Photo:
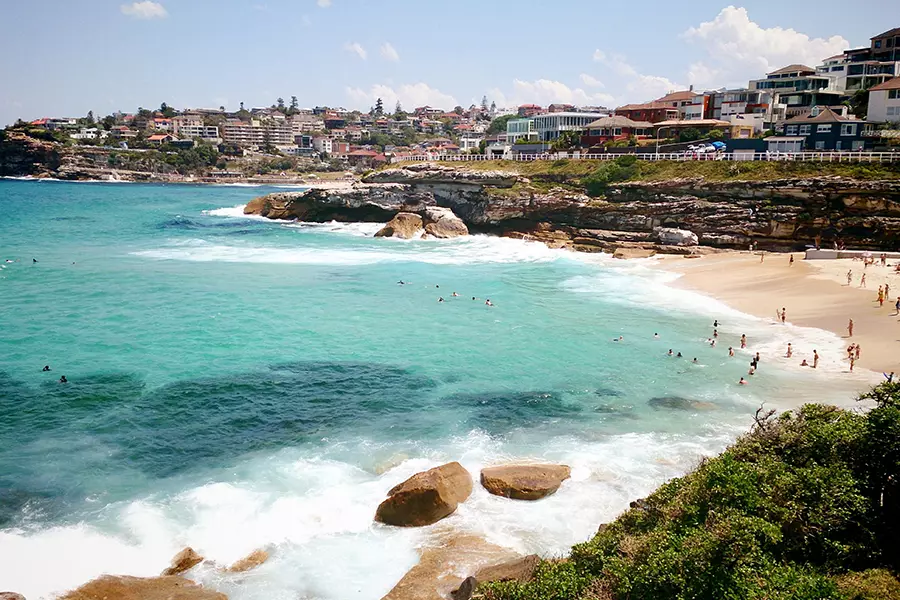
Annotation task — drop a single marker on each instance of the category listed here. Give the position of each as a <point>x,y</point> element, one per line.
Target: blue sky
<point>65,57</point>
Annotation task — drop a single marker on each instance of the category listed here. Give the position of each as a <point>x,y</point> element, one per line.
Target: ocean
<point>237,383</point>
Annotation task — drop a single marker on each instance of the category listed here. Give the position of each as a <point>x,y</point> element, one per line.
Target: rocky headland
<point>673,216</point>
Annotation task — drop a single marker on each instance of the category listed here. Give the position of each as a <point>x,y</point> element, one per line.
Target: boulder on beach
<point>251,561</point>
<point>524,482</point>
<point>675,237</point>
<point>404,225</point>
<point>442,223</point>
<point>183,561</point>
<point>634,253</point>
<point>520,569</point>
<point>110,587</point>
<point>11,596</point>
<point>426,497</point>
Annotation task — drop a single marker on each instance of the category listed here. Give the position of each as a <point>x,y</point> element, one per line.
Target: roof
<point>826,115</point>
<point>888,33</point>
<point>158,136</point>
<point>890,84</point>
<point>785,138</point>
<point>656,104</point>
<point>677,96</point>
<point>791,69</point>
<point>619,121</point>
<point>693,123</point>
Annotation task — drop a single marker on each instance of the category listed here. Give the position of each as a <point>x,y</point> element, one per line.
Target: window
<point>893,111</point>
<point>893,94</point>
<point>837,68</point>
<point>618,131</point>
<point>805,129</point>
<point>823,129</point>
<point>837,145</point>
<point>878,43</point>
<point>820,145</point>
<point>791,130</point>
<point>848,129</point>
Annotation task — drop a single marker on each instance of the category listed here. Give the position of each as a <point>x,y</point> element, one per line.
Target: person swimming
<point>730,351</point>
<point>440,299</point>
<point>46,368</point>
<point>678,355</point>
<point>488,302</point>
<point>695,361</point>
<point>63,379</point>
<point>712,344</point>
<point>751,371</point>
<point>401,282</point>
<point>670,352</point>
<point>656,335</point>
<point>455,295</point>
<point>716,324</point>
<point>742,381</point>
<point>474,298</point>
<point>804,363</point>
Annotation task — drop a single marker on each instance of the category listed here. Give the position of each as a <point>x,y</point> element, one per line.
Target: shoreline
<point>810,292</point>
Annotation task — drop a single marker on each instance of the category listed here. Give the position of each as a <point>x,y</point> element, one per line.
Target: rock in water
<point>183,561</point>
<point>520,569</point>
<point>426,497</point>
<point>524,482</point>
<point>251,561</point>
<point>111,587</point>
<point>403,225</point>
<point>442,223</point>
<point>675,237</point>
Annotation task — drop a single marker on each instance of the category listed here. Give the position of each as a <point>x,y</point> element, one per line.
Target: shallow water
<point>237,383</point>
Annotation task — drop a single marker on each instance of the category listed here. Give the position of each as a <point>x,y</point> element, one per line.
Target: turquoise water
<point>237,383</point>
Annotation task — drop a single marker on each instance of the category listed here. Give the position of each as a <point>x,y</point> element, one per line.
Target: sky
<point>66,57</point>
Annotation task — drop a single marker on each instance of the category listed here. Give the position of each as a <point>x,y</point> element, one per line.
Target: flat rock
<point>109,587</point>
<point>519,569</point>
<point>183,561</point>
<point>440,569</point>
<point>251,561</point>
<point>524,482</point>
<point>426,497</point>
<point>404,225</point>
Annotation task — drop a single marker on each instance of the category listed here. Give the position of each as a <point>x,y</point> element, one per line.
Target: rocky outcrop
<point>111,587</point>
<point>426,497</point>
<point>520,569</point>
<point>251,561</point>
<point>404,225</point>
<point>524,482</point>
<point>441,567</point>
<point>23,155</point>
<point>670,217</point>
<point>183,561</point>
<point>11,596</point>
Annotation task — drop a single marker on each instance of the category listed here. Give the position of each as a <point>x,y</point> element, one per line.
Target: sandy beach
<point>814,294</point>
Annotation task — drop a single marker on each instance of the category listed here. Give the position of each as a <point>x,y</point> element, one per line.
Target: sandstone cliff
<point>776,215</point>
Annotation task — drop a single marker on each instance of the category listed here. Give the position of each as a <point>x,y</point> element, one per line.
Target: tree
<point>379,107</point>
<point>90,117</point>
<point>689,135</point>
<point>493,107</point>
<point>242,106</point>
<point>397,108</point>
<point>859,103</point>
<point>498,125</point>
<point>295,105</point>
<point>567,140</point>
<point>484,104</point>
<point>166,110</point>
<point>280,104</point>
<point>716,134</point>
<point>458,110</point>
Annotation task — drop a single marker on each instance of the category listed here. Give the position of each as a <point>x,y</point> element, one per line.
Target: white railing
<point>879,157</point>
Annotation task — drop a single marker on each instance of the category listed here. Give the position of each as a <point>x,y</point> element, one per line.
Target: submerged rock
<point>524,482</point>
<point>183,561</point>
<point>404,225</point>
<point>426,497</point>
<point>109,587</point>
<point>251,561</point>
<point>679,403</point>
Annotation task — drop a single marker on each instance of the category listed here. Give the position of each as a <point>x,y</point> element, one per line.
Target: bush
<point>804,507</point>
<point>623,168</point>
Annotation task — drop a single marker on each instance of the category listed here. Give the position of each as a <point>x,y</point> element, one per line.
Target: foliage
<point>498,125</point>
<point>859,103</point>
<point>621,168</point>
<point>567,140</point>
<point>804,507</point>
<point>715,134</point>
<point>689,135</point>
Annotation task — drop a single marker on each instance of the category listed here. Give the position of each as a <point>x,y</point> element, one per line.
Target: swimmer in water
<point>488,302</point>
<point>804,363</point>
<point>751,371</point>
<point>46,368</point>
<point>671,354</point>
<point>656,335</point>
<point>63,379</point>
<point>715,333</point>
<point>742,381</point>
<point>743,340</point>
<point>678,355</point>
<point>716,324</point>
<point>712,344</point>
<point>695,361</point>
<point>790,351</point>
<point>401,282</point>
<point>440,299</point>
<point>455,295</point>
<point>730,351</point>
<point>474,298</point>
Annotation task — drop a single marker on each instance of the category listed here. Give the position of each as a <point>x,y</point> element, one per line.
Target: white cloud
<point>145,10</point>
<point>547,91</point>
<point>631,84</point>
<point>738,49</point>
<point>357,49</point>
<point>590,81</point>
<point>388,52</point>
<point>323,3</point>
<point>410,95</point>
<point>599,55</point>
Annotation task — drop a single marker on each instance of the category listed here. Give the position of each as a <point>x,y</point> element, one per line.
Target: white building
<point>209,133</point>
<point>256,133</point>
<point>548,127</point>
<point>88,133</point>
<point>182,121</point>
<point>323,145</point>
<point>517,129</point>
<point>884,102</point>
<point>470,141</point>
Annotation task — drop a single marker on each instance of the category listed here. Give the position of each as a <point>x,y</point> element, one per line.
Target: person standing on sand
<point>897,306</point>
<point>880,295</point>
<point>815,359</point>
<point>862,281</point>
<point>887,291</point>
<point>783,315</point>
<point>762,256</point>
<point>849,276</point>
<point>791,261</point>
<point>856,352</point>
<point>852,362</point>
<point>850,328</point>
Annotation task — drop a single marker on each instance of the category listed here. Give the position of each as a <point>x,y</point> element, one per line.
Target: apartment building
<point>549,126</point>
<point>255,133</point>
<point>795,89</point>
<point>884,102</point>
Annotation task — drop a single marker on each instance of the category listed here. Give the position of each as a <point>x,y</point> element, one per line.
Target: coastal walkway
<point>844,157</point>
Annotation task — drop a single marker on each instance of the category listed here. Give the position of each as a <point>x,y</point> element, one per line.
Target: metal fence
<point>855,157</point>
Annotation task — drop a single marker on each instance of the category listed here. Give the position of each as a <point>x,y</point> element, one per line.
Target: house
<point>690,104</point>
<point>859,69</point>
<point>551,125</point>
<point>886,46</point>
<point>520,129</point>
<point>614,128</point>
<point>158,139</point>
<point>555,108</point>
<point>704,126</point>
<point>365,158</point>
<point>122,132</point>
<point>722,104</point>
<point>322,144</point>
<point>470,141</point>
<point>162,124</point>
<point>884,102</point>
<point>824,129</point>
<point>88,133</point>
<point>796,89</point>
<point>653,112</point>
<point>529,110</point>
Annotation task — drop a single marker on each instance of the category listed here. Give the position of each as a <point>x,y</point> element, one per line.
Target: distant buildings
<point>884,102</point>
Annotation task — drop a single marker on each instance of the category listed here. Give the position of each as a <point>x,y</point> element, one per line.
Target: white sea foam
<point>230,211</point>
<point>315,513</point>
